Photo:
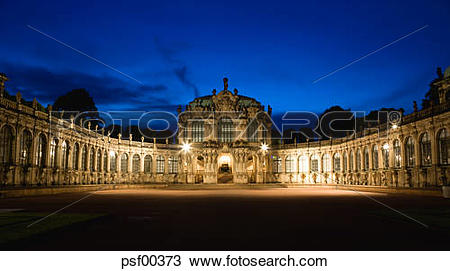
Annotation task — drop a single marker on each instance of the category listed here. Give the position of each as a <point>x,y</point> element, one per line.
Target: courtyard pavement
<point>234,219</point>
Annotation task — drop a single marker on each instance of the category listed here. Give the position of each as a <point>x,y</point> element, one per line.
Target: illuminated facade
<point>222,138</point>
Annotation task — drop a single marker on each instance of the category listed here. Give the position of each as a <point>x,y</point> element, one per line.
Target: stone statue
<point>225,83</point>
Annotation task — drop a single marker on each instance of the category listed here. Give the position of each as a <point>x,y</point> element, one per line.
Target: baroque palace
<point>222,138</point>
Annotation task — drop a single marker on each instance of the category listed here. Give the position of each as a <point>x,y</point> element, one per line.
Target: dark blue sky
<point>272,51</point>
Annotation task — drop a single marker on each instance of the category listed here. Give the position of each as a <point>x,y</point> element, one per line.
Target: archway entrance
<point>225,169</point>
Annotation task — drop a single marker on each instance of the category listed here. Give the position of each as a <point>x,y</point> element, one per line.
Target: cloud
<point>46,85</point>
<point>181,74</point>
<point>169,53</point>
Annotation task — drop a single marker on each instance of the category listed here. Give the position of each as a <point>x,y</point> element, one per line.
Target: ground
<point>226,219</point>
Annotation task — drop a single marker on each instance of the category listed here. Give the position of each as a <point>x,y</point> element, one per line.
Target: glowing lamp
<point>264,147</point>
<point>186,147</point>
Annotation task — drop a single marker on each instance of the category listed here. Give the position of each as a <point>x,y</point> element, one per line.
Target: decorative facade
<point>222,138</point>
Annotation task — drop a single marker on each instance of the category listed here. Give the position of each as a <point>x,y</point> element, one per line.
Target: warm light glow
<point>264,147</point>
<point>225,159</point>
<point>394,126</point>
<point>186,147</point>
<point>386,146</point>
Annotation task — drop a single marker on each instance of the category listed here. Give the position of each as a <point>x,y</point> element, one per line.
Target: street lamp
<point>264,147</point>
<point>186,147</point>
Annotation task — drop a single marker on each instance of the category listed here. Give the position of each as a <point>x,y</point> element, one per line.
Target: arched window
<point>409,151</point>
<point>91,159</point>
<point>385,154</point>
<point>198,131</point>
<point>53,152</point>
<point>252,131</point>
<point>375,157</point>
<point>41,150</point>
<point>303,164</point>
<point>337,162</point>
<point>112,161</point>
<point>105,162</point>
<point>289,164</point>
<point>345,162</point>
<point>173,164</point>
<point>358,160</point>
<point>75,156</point>
<point>226,130</point>
<point>315,163</point>
<point>124,163</point>
<point>136,163</point>
<point>397,154</point>
<point>84,160</point>
<point>99,160</point>
<point>326,163</point>
<point>352,161</point>
<point>148,164</point>
<point>276,165</point>
<point>443,145</point>
<point>64,155</point>
<point>25,147</point>
<point>425,150</point>
<point>160,164</point>
<point>366,158</point>
<point>6,145</point>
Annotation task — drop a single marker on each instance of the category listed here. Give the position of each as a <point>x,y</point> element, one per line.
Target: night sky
<point>272,51</point>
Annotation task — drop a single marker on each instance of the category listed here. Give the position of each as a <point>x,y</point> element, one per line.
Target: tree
<point>79,104</point>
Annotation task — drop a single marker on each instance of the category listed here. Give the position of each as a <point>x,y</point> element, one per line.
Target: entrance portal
<point>225,174</point>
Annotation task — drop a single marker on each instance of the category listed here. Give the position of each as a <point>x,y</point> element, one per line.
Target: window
<point>186,133</point>
<point>148,164</point>
<point>225,130</point>
<point>64,155</point>
<point>6,145</point>
<point>303,164</point>
<point>326,163</point>
<point>375,157</point>
<point>136,163</point>
<point>385,154</point>
<point>160,164</point>
<point>276,167</point>
<point>105,162</point>
<point>91,159</point>
<point>112,161</point>
<point>198,131</point>
<point>173,164</point>
<point>345,162</point>
<point>366,158</point>
<point>75,156</point>
<point>252,131</point>
<point>443,146</point>
<point>289,164</point>
<point>358,160</point>
<point>25,148</point>
<point>84,160</point>
<point>99,160</point>
<point>53,152</point>
<point>425,150</point>
<point>397,154</point>
<point>124,163</point>
<point>315,163</point>
<point>337,162</point>
<point>409,151</point>
<point>352,161</point>
<point>40,152</point>
<point>264,133</point>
